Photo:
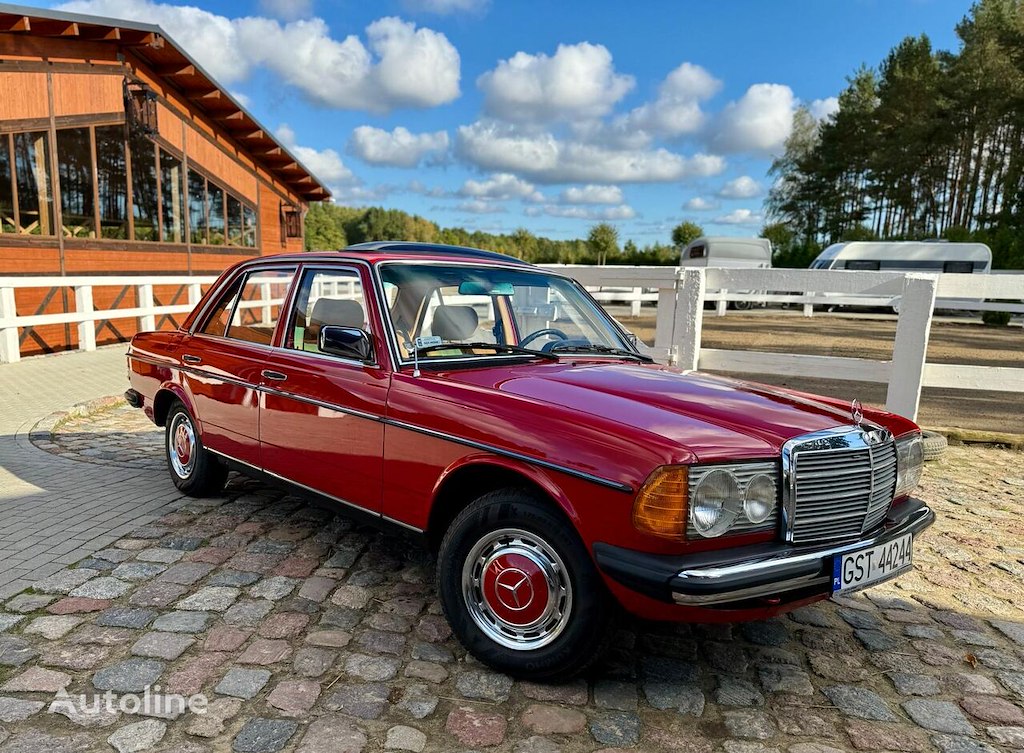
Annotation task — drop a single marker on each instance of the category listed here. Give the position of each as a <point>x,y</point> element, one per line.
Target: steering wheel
<point>541,333</point>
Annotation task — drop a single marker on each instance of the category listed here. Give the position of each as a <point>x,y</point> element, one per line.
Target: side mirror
<point>346,342</point>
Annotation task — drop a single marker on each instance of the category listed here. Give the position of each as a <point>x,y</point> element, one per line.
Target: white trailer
<point>725,251</point>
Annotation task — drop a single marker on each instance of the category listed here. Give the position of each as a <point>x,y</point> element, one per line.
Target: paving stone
<point>248,612</point>
<point>53,627</point>
<point>129,675</point>
<point>971,684</point>
<point>484,684</point>
<point>749,724</point>
<point>310,661</point>
<point>353,597</point>
<point>213,722</point>
<point>782,678</point>
<point>182,622</point>
<point>7,621</point>
<point>476,727</point>
<point>434,628</point>
<point>156,594</point>
<point>876,640</point>
<point>264,735</point>
<point>125,617</point>
<point>65,581</point>
<point>333,734</point>
<point>37,680</point>
<point>26,602</point>
<point>923,631</point>
<point>418,701</point>
<point>159,554</point>
<point>812,616</point>
<point>18,709</point>
<point>89,715</point>
<point>210,599</point>
<point>957,744</point>
<point>393,623</point>
<point>186,573</point>
<point>182,542</point>
<point>907,683</point>
<point>686,698</point>
<point>430,652</point>
<point>938,716</point>
<point>382,642</point>
<point>15,651</point>
<point>113,555</point>
<point>33,741</point>
<point>330,638</point>
<point>226,637</point>
<point>735,691</point>
<point>74,656</point>
<point>401,737</point>
<point>243,683</point>
<point>543,719</point>
<point>617,728</point>
<point>190,677</point>
<point>341,617</point>
<point>317,588</point>
<point>283,625</point>
<point>157,645</point>
<point>614,694</point>
<point>1012,680</point>
<point>294,697</point>
<point>297,567</point>
<point>274,588</point>
<point>78,605</point>
<point>233,578</point>
<point>372,668</point>
<point>1010,736</point>
<point>135,571</point>
<point>860,702</point>
<point>264,651</point>
<point>1012,630</point>
<point>766,632</point>
<point>536,744</point>
<point>363,700</point>
<point>874,736</point>
<point>138,736</point>
<point>425,670</point>
<point>993,710</point>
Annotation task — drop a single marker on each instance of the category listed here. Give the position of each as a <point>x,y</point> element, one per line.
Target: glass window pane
<point>112,180</point>
<point>173,198</point>
<point>144,204</point>
<point>259,305</point>
<point>215,213</point>
<point>249,238</point>
<point>234,221</point>
<point>35,200</point>
<point>326,298</point>
<point>197,207</point>
<point>217,321</point>
<point>6,187</point>
<point>74,170</point>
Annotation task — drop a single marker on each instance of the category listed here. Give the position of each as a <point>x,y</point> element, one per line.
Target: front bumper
<point>732,577</point>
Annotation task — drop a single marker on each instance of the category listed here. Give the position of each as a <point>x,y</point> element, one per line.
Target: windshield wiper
<point>602,349</point>
<point>498,347</point>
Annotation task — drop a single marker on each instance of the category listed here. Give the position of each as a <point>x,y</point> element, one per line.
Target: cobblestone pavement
<point>308,634</point>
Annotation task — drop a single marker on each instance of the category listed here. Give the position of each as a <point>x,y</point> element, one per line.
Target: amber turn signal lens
<point>660,507</point>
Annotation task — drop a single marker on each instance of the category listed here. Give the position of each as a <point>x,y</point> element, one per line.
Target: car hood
<point>712,417</point>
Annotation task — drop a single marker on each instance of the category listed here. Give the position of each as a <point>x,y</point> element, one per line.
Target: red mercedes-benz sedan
<point>495,409</point>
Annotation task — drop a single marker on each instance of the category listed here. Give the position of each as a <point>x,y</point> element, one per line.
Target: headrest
<point>454,322</point>
<point>335,312</point>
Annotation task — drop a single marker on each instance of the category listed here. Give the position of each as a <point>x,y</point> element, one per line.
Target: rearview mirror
<point>473,287</point>
<point>346,342</point>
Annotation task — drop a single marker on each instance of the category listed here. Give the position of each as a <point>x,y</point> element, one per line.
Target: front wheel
<point>194,470</point>
<point>519,589</point>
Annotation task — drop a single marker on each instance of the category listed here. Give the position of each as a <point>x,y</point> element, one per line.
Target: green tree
<point>603,241</point>
<point>685,232</point>
<point>324,231</point>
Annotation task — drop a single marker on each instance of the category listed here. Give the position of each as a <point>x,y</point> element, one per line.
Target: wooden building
<point>120,155</point>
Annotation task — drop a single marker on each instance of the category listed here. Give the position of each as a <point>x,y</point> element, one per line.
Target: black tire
<point>582,612</point>
<point>200,474</point>
<point>933,445</point>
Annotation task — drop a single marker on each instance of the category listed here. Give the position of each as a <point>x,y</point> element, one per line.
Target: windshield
<point>468,308</point>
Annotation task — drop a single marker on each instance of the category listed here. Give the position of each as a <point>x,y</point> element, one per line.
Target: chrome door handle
<point>277,376</point>
<point>191,359</point>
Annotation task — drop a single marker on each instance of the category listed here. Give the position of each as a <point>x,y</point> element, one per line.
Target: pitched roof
<point>166,58</point>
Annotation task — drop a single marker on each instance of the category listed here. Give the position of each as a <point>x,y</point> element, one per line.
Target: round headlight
<point>716,502</point>
<point>759,498</point>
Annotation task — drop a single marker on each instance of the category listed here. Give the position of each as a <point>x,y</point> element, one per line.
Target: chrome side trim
<point>753,592</point>
<point>321,404</point>
<point>317,492</point>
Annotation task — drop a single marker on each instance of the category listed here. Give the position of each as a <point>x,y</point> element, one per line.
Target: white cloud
<point>621,212</point>
<point>578,81</point>
<point>740,217</point>
<point>445,7</point>
<point>479,206</point>
<point>759,121</point>
<point>700,204</point>
<point>546,159</point>
<point>591,194</point>
<point>677,109</point>
<point>289,10</point>
<point>325,164</point>
<point>362,195</point>
<point>823,109</point>
<point>416,186</point>
<point>397,148</point>
<point>501,186</point>
<point>743,187</point>
<point>398,66</point>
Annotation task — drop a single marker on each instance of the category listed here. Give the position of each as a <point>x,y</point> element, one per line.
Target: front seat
<point>454,322</point>
<point>332,312</point>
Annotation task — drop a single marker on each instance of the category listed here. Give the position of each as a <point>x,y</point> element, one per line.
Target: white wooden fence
<point>680,294</point>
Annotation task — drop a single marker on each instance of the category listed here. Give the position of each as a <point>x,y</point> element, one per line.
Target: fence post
<point>195,292</point>
<point>86,328</point>
<point>634,308</point>
<point>147,322</point>
<point>910,347</point>
<point>690,317</point>
<point>10,349</point>
<point>722,305</point>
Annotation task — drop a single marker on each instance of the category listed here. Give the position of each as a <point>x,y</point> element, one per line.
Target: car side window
<point>217,321</point>
<point>326,297</point>
<point>259,304</point>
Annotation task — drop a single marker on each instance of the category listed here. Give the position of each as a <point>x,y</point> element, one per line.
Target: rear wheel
<point>194,470</point>
<point>519,589</point>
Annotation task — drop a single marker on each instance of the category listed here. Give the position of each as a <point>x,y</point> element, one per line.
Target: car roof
<point>375,251</point>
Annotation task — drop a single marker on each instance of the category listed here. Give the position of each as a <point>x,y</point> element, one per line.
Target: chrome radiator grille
<point>839,483</point>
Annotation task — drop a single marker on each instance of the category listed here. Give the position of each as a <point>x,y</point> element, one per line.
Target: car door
<point>321,416</point>
<point>223,360</point>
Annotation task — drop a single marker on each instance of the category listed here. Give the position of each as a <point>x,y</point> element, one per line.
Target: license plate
<point>866,567</point>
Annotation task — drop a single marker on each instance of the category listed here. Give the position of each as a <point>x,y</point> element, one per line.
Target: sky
<point>499,114</point>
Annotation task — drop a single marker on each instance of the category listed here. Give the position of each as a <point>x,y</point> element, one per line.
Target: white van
<point>725,251</point>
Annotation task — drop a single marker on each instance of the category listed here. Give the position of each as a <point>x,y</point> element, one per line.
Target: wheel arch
<point>473,476</point>
<point>165,397</point>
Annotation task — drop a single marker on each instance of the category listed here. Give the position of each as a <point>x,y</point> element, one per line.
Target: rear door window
<point>258,307</point>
